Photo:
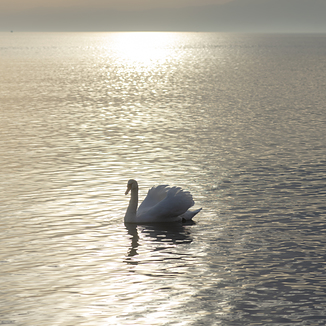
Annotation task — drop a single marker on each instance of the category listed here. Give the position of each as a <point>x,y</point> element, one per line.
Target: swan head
<point>132,184</point>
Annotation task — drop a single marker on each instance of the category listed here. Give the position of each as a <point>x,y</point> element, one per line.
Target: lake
<point>236,119</point>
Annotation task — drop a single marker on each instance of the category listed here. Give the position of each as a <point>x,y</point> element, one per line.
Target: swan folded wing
<point>176,203</point>
<point>155,195</point>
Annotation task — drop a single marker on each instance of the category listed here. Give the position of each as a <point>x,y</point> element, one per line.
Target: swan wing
<point>155,195</point>
<point>175,203</point>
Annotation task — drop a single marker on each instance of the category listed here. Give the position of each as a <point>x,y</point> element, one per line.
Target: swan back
<point>154,196</point>
<point>177,202</point>
<point>164,203</point>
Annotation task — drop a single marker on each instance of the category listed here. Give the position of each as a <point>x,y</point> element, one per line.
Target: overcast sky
<point>164,15</point>
<point>110,4</point>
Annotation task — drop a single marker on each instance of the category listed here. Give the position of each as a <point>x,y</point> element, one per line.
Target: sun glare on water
<point>143,48</point>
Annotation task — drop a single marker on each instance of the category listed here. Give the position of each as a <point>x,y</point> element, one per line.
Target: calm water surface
<point>239,120</point>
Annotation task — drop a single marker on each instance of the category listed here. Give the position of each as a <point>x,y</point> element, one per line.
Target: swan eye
<point>131,182</point>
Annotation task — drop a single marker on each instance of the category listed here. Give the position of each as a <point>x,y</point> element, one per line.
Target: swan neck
<point>132,208</point>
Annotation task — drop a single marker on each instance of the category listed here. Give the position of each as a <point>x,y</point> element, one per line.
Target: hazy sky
<point>16,5</point>
<point>164,15</point>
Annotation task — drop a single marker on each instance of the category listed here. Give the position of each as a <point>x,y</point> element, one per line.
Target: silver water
<point>239,120</point>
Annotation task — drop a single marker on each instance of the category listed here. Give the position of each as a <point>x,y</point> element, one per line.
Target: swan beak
<point>128,189</point>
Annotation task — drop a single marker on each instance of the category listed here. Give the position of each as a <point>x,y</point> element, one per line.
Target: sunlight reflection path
<point>143,48</point>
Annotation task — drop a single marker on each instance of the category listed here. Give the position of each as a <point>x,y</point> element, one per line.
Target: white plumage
<point>162,204</point>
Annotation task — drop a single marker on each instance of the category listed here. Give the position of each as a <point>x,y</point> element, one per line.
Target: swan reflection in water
<point>163,235</point>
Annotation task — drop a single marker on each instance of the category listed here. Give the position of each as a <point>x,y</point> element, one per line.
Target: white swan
<point>162,204</point>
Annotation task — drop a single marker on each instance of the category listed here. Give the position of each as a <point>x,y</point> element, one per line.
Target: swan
<point>162,204</point>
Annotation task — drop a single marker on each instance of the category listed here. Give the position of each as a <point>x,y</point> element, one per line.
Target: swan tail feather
<point>188,215</point>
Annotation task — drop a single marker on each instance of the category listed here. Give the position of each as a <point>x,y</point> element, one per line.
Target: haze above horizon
<point>294,16</point>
